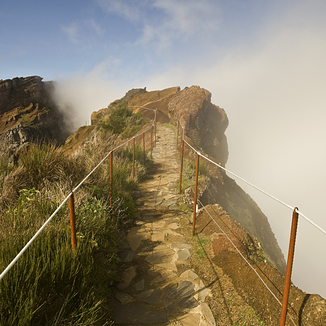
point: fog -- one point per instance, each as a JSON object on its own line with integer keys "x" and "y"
{"x": 80, "y": 95}
{"x": 273, "y": 92}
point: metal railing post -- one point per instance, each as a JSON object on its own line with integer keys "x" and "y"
{"x": 289, "y": 266}
{"x": 111, "y": 178}
{"x": 152, "y": 142}
{"x": 144, "y": 148}
{"x": 178, "y": 132}
{"x": 195, "y": 196}
{"x": 72, "y": 222}
{"x": 155, "y": 126}
{"x": 181, "y": 164}
{"x": 133, "y": 159}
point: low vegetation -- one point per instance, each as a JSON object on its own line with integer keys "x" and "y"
{"x": 123, "y": 121}
{"x": 50, "y": 284}
{"x": 189, "y": 175}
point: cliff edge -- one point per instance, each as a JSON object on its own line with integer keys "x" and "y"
{"x": 28, "y": 114}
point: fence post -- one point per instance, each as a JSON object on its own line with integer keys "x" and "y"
{"x": 152, "y": 142}
{"x": 144, "y": 148}
{"x": 181, "y": 164}
{"x": 195, "y": 196}
{"x": 155, "y": 126}
{"x": 178, "y": 132}
{"x": 72, "y": 222}
{"x": 111, "y": 177}
{"x": 133, "y": 159}
{"x": 289, "y": 266}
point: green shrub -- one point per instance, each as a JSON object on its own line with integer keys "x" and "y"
{"x": 42, "y": 162}
{"x": 189, "y": 174}
{"x": 123, "y": 121}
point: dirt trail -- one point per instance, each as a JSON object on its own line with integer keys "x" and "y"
{"x": 157, "y": 286}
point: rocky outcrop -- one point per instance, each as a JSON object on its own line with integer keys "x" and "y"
{"x": 27, "y": 114}
{"x": 204, "y": 123}
{"x": 243, "y": 209}
{"x": 20, "y": 92}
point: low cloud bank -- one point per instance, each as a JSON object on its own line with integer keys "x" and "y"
{"x": 78, "y": 96}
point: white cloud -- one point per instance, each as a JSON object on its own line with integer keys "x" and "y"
{"x": 83, "y": 31}
{"x": 82, "y": 94}
{"x": 72, "y": 32}
{"x": 130, "y": 10}
{"x": 94, "y": 26}
{"x": 181, "y": 20}
{"x": 164, "y": 21}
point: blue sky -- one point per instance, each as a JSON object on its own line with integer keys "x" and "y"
{"x": 263, "y": 62}
{"x": 61, "y": 38}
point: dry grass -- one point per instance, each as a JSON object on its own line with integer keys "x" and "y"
{"x": 49, "y": 285}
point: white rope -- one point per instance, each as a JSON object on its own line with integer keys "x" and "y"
{"x": 32, "y": 239}
{"x": 244, "y": 258}
{"x": 240, "y": 253}
{"x": 259, "y": 189}
{"x": 90, "y": 173}
{"x": 55, "y": 212}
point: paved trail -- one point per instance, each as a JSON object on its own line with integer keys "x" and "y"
{"x": 157, "y": 286}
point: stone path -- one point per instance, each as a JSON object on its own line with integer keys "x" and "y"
{"x": 157, "y": 286}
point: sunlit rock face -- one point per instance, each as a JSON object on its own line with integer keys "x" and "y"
{"x": 28, "y": 113}
{"x": 204, "y": 123}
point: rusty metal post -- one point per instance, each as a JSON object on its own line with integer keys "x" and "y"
{"x": 155, "y": 126}
{"x": 72, "y": 222}
{"x": 178, "y": 132}
{"x": 289, "y": 266}
{"x": 195, "y": 196}
{"x": 152, "y": 142}
{"x": 111, "y": 178}
{"x": 133, "y": 159}
{"x": 181, "y": 164}
{"x": 144, "y": 148}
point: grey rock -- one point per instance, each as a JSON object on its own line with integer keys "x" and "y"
{"x": 183, "y": 255}
{"x": 185, "y": 289}
{"x": 208, "y": 314}
{"x": 127, "y": 256}
{"x": 189, "y": 274}
{"x": 140, "y": 286}
{"x": 187, "y": 303}
{"x": 179, "y": 246}
{"x": 137, "y": 314}
{"x": 127, "y": 277}
{"x": 203, "y": 291}
{"x": 151, "y": 296}
{"x": 124, "y": 298}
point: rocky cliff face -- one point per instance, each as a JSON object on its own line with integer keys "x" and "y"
{"x": 28, "y": 113}
{"x": 242, "y": 208}
{"x": 204, "y": 123}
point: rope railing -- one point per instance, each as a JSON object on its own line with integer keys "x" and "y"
{"x": 70, "y": 196}
{"x": 243, "y": 257}
{"x": 254, "y": 186}
{"x": 295, "y": 210}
